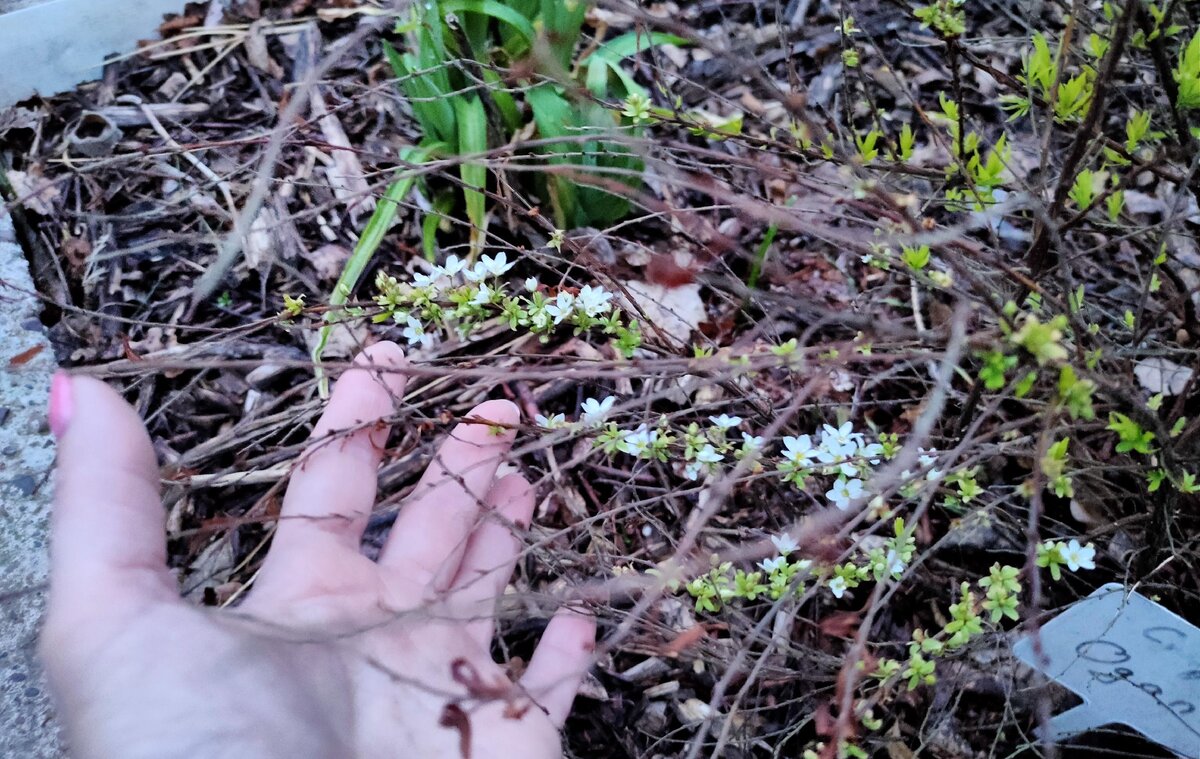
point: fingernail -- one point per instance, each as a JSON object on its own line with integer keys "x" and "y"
{"x": 62, "y": 404}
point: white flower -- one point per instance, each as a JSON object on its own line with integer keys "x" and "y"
{"x": 476, "y": 273}
{"x": 637, "y": 442}
{"x": 928, "y": 458}
{"x": 595, "y": 411}
{"x": 844, "y": 491}
{"x": 752, "y": 442}
{"x": 561, "y": 307}
{"x": 531, "y": 284}
{"x": 453, "y": 266}
{"x": 709, "y": 455}
{"x": 799, "y": 449}
{"x": 842, "y": 439}
{"x": 594, "y": 301}
{"x": 1077, "y": 556}
{"x": 837, "y": 586}
{"x": 555, "y": 422}
{"x": 784, "y": 543}
{"x": 484, "y": 295}
{"x": 415, "y": 334}
{"x": 871, "y": 452}
{"x": 495, "y": 266}
{"x": 725, "y": 421}
{"x": 430, "y": 279}
{"x": 838, "y": 461}
{"x": 705, "y": 458}
{"x": 772, "y": 565}
{"x": 893, "y": 564}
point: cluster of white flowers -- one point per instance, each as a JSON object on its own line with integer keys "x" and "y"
{"x": 593, "y": 413}
{"x": 703, "y": 459}
{"x": 638, "y": 442}
{"x": 840, "y": 452}
{"x": 926, "y": 458}
{"x": 457, "y": 296}
{"x": 884, "y": 559}
{"x": 785, "y": 545}
{"x": 446, "y": 275}
{"x": 591, "y": 301}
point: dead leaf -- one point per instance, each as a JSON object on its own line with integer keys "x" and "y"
{"x": 840, "y": 380}
{"x": 213, "y": 566}
{"x": 591, "y": 687}
{"x": 260, "y": 242}
{"x": 1160, "y": 375}
{"x": 824, "y": 721}
{"x": 25, "y": 356}
{"x": 177, "y": 24}
{"x": 328, "y": 260}
{"x": 155, "y": 340}
{"x": 346, "y": 176}
{"x": 895, "y": 744}
{"x": 684, "y": 640}
{"x": 1087, "y": 514}
{"x": 34, "y": 191}
{"x": 840, "y": 624}
{"x": 1141, "y": 203}
{"x": 345, "y": 339}
{"x": 18, "y": 118}
{"x": 665, "y": 272}
{"x": 76, "y": 251}
{"x": 256, "y": 51}
{"x": 675, "y": 311}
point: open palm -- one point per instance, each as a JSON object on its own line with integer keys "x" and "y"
{"x": 332, "y": 654}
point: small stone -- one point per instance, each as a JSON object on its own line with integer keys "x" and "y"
{"x": 662, "y": 689}
{"x": 645, "y": 670}
{"x": 654, "y": 718}
{"x": 24, "y": 484}
{"x": 693, "y": 711}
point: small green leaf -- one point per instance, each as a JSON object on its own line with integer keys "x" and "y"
{"x": 907, "y": 141}
{"x": 472, "y": 141}
{"x": 496, "y": 10}
{"x": 368, "y": 242}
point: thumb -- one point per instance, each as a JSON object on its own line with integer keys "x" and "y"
{"x": 107, "y": 542}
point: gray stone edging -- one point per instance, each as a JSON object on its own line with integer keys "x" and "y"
{"x": 27, "y": 726}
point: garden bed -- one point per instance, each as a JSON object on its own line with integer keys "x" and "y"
{"x": 837, "y": 215}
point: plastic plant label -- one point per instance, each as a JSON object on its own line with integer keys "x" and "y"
{"x": 1132, "y": 662}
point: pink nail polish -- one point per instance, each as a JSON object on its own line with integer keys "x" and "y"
{"x": 62, "y": 404}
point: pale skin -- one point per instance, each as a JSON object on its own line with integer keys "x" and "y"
{"x": 331, "y": 654}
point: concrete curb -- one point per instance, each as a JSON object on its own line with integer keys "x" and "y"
{"x": 27, "y": 725}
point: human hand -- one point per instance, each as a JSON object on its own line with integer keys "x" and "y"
{"x": 332, "y": 654}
